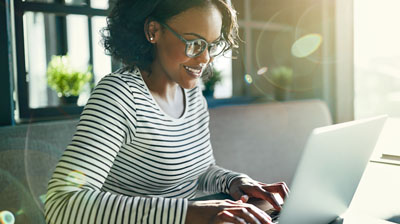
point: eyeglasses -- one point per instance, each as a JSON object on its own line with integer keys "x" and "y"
{"x": 195, "y": 47}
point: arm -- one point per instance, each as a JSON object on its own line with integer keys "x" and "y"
{"x": 217, "y": 179}
{"x": 75, "y": 191}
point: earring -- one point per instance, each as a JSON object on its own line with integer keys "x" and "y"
{"x": 151, "y": 38}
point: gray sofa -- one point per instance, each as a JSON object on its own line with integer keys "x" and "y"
{"x": 264, "y": 141}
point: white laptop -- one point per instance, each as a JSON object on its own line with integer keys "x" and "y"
{"x": 329, "y": 171}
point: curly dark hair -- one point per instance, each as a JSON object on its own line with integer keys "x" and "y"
{"x": 124, "y": 36}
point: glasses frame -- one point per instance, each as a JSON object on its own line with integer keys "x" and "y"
{"x": 188, "y": 42}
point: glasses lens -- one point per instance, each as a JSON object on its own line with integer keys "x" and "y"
{"x": 195, "y": 47}
{"x": 217, "y": 48}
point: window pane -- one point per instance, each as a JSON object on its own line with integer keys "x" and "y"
{"x": 101, "y": 61}
{"x": 35, "y": 52}
{"x": 267, "y": 10}
{"x": 98, "y": 4}
{"x": 41, "y": 1}
{"x": 67, "y": 2}
{"x": 75, "y": 2}
{"x": 78, "y": 48}
{"x": 376, "y": 58}
{"x": 44, "y": 34}
{"x": 377, "y": 67}
{"x": 223, "y": 63}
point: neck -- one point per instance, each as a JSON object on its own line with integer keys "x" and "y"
{"x": 160, "y": 86}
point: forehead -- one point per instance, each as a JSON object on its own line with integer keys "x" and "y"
{"x": 204, "y": 21}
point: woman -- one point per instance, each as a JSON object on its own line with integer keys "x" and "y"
{"x": 142, "y": 147}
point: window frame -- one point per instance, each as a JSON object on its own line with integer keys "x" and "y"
{"x": 25, "y": 113}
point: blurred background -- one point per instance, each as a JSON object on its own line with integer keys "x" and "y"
{"x": 343, "y": 52}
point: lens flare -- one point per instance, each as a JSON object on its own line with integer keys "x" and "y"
{"x": 262, "y": 70}
{"x": 16, "y": 197}
{"x": 6, "y": 217}
{"x": 42, "y": 198}
{"x": 248, "y": 79}
{"x": 306, "y": 45}
{"x": 76, "y": 178}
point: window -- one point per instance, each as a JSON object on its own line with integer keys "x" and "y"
{"x": 271, "y": 29}
{"x": 376, "y": 58}
{"x": 377, "y": 68}
{"x": 44, "y": 28}
{"x": 223, "y": 63}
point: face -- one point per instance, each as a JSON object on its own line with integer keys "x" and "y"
{"x": 171, "y": 62}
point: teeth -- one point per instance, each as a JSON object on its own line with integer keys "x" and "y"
{"x": 193, "y": 70}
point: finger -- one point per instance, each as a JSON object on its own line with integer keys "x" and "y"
{"x": 280, "y": 188}
{"x": 283, "y": 184}
{"x": 260, "y": 192}
{"x": 259, "y": 214}
{"x": 277, "y": 188}
{"x": 238, "y": 194}
{"x": 238, "y": 202}
{"x": 244, "y": 198}
{"x": 285, "y": 187}
{"x": 246, "y": 215}
{"x": 226, "y": 216}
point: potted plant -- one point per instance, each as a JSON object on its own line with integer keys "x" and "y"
{"x": 65, "y": 80}
{"x": 211, "y": 82}
{"x": 281, "y": 78}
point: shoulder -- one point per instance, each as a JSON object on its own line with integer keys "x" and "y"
{"x": 123, "y": 79}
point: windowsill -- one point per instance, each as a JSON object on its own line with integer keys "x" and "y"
{"x": 387, "y": 150}
{"x": 384, "y": 160}
{"x": 62, "y": 112}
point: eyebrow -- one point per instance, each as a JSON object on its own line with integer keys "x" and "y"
{"x": 201, "y": 37}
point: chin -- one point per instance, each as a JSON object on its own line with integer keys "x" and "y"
{"x": 189, "y": 85}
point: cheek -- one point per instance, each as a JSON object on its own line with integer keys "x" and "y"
{"x": 174, "y": 55}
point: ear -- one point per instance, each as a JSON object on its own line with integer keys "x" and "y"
{"x": 152, "y": 30}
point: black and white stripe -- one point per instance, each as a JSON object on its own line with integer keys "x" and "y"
{"x": 129, "y": 162}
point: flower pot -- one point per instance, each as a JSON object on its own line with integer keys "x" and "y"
{"x": 281, "y": 94}
{"x": 208, "y": 93}
{"x": 69, "y": 100}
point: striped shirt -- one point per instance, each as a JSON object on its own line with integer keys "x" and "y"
{"x": 129, "y": 162}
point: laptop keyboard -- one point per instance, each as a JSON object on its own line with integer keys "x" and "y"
{"x": 274, "y": 214}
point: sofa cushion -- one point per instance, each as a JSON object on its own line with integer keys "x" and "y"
{"x": 28, "y": 156}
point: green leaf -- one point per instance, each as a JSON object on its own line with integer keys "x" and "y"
{"x": 64, "y": 79}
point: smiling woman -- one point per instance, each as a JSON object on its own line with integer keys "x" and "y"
{"x": 142, "y": 147}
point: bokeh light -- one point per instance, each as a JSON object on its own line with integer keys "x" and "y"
{"x": 306, "y": 45}
{"x": 76, "y": 178}
{"x": 262, "y": 70}
{"x": 16, "y": 199}
{"x": 248, "y": 79}
{"x": 311, "y": 22}
{"x": 301, "y": 41}
{"x": 6, "y": 217}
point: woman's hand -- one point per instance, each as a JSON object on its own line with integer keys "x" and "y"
{"x": 243, "y": 188}
{"x": 222, "y": 211}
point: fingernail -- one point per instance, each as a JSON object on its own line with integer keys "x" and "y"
{"x": 244, "y": 198}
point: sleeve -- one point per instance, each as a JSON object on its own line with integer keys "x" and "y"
{"x": 75, "y": 193}
{"x": 216, "y": 179}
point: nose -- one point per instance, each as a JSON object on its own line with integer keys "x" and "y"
{"x": 204, "y": 57}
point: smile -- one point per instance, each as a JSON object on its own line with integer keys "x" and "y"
{"x": 194, "y": 71}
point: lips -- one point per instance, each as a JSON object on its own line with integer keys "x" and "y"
{"x": 194, "y": 71}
